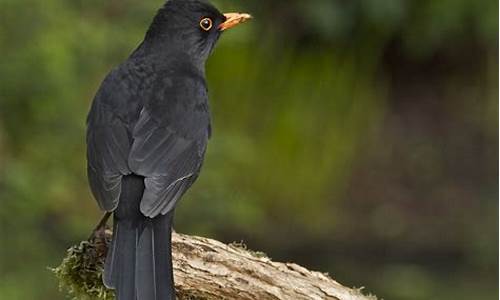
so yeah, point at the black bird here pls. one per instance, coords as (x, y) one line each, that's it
(147, 133)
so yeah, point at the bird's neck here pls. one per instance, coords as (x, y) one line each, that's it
(164, 56)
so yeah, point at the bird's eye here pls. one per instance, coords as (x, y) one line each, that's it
(206, 24)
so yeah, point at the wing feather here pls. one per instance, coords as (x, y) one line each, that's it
(167, 158)
(108, 145)
(165, 143)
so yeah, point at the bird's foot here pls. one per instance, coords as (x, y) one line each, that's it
(100, 229)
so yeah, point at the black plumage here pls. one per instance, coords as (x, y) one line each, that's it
(147, 133)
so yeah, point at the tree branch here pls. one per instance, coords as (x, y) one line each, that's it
(207, 269)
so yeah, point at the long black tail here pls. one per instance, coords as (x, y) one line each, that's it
(139, 261)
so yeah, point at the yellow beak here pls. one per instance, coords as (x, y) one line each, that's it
(233, 19)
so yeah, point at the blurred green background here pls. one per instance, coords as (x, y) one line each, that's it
(357, 138)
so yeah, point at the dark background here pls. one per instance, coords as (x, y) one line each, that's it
(357, 138)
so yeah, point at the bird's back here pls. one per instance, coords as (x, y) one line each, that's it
(147, 133)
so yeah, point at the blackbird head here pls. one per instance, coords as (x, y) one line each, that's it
(190, 27)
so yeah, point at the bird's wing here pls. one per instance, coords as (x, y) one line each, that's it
(108, 146)
(169, 142)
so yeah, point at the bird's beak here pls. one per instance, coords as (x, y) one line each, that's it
(233, 19)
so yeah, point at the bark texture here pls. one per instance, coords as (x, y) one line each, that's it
(208, 269)
(205, 269)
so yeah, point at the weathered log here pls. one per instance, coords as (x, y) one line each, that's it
(208, 269)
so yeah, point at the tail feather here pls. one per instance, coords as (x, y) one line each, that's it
(109, 278)
(139, 263)
(154, 275)
(126, 249)
(145, 267)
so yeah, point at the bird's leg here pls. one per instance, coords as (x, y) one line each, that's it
(101, 226)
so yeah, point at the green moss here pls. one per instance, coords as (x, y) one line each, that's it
(360, 292)
(80, 273)
(241, 245)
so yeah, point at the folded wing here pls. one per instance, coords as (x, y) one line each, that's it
(169, 161)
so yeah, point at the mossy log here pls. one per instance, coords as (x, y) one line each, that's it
(207, 269)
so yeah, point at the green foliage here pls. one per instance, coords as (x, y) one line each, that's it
(338, 126)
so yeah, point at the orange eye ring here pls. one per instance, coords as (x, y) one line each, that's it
(206, 24)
